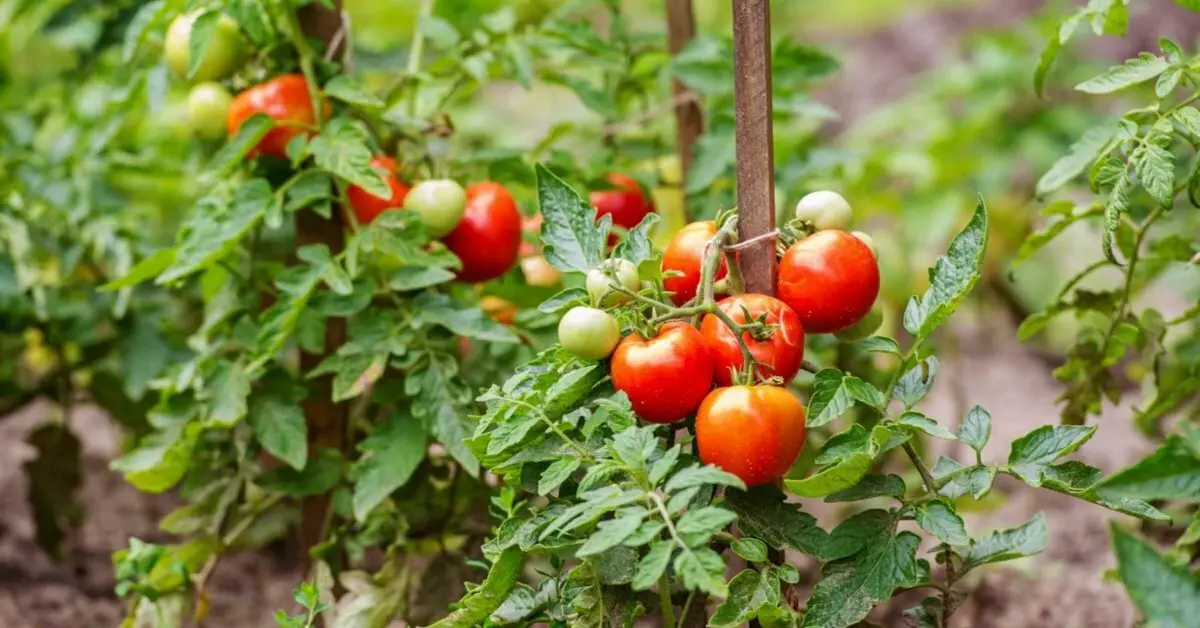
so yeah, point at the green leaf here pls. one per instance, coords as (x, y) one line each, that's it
(160, 460)
(278, 424)
(1026, 539)
(563, 301)
(702, 569)
(434, 308)
(632, 446)
(699, 476)
(441, 33)
(227, 392)
(920, 422)
(1189, 119)
(958, 480)
(610, 534)
(484, 600)
(1118, 204)
(247, 137)
(572, 241)
(749, 549)
(834, 392)
(202, 33)
(851, 587)
(939, 519)
(879, 344)
(348, 90)
(1031, 453)
(764, 514)
(139, 26)
(518, 55)
(1155, 168)
(214, 229)
(916, 382)
(1167, 82)
(664, 465)
(390, 455)
(146, 269)
(1172, 472)
(871, 486)
(1167, 595)
(343, 149)
(652, 565)
(408, 278)
(556, 474)
(975, 430)
(1078, 158)
(952, 278)
(1137, 70)
(840, 476)
(696, 527)
(636, 245)
(321, 474)
(1194, 5)
(749, 591)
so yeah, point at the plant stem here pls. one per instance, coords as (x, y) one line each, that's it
(587, 455)
(1127, 288)
(687, 606)
(664, 594)
(416, 51)
(926, 477)
(296, 34)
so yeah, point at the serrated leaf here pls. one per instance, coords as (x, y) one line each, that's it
(1056, 226)
(1037, 449)
(636, 245)
(952, 277)
(1155, 168)
(879, 344)
(1077, 160)
(764, 514)
(434, 308)
(1167, 595)
(572, 241)
(840, 476)
(1136, 70)
(916, 382)
(408, 278)
(871, 486)
(391, 454)
(343, 150)
(1171, 472)
(702, 569)
(851, 587)
(227, 392)
(749, 549)
(699, 476)
(556, 474)
(940, 520)
(203, 29)
(920, 422)
(214, 229)
(278, 424)
(610, 534)
(147, 269)
(696, 527)
(976, 429)
(652, 565)
(834, 392)
(246, 138)
(664, 465)
(1026, 539)
(476, 607)
(749, 591)
(348, 90)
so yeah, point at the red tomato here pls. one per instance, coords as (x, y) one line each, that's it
(685, 254)
(367, 206)
(627, 204)
(489, 236)
(665, 377)
(286, 99)
(831, 279)
(778, 356)
(753, 432)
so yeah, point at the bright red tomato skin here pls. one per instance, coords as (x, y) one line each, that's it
(367, 206)
(665, 377)
(778, 356)
(284, 98)
(627, 203)
(753, 432)
(489, 236)
(685, 254)
(831, 279)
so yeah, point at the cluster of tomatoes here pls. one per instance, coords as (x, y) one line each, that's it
(749, 425)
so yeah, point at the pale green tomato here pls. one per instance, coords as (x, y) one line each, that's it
(863, 328)
(825, 209)
(223, 54)
(867, 240)
(589, 333)
(207, 105)
(622, 272)
(439, 203)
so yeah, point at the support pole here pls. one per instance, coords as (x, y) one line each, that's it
(326, 420)
(689, 120)
(755, 151)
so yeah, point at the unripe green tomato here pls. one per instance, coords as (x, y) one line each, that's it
(825, 209)
(439, 203)
(207, 105)
(867, 240)
(589, 333)
(620, 271)
(223, 54)
(863, 328)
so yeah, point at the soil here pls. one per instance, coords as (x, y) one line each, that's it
(1061, 588)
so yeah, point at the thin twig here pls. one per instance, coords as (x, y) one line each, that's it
(744, 244)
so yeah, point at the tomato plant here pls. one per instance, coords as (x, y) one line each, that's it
(753, 432)
(831, 279)
(776, 348)
(488, 237)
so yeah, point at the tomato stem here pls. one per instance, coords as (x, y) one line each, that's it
(415, 52)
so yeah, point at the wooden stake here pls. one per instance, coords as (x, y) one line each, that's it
(689, 120)
(755, 151)
(325, 419)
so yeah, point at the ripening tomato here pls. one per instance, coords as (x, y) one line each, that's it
(223, 53)
(620, 272)
(778, 356)
(208, 105)
(665, 377)
(589, 333)
(825, 209)
(284, 98)
(685, 255)
(626, 203)
(488, 237)
(753, 432)
(500, 310)
(530, 225)
(831, 279)
(366, 205)
(538, 272)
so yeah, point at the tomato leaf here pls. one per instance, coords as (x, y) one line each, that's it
(213, 229)
(851, 587)
(1171, 472)
(572, 240)
(1026, 539)
(1166, 594)
(940, 520)
(636, 245)
(484, 600)
(203, 29)
(348, 90)
(391, 454)
(1077, 160)
(1136, 70)
(834, 392)
(343, 149)
(278, 422)
(952, 277)
(975, 430)
(764, 514)
(146, 269)
(247, 137)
